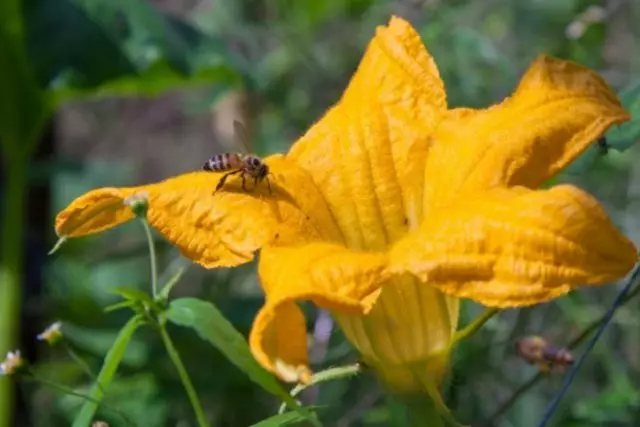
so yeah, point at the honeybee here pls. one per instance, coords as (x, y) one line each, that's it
(239, 163)
(537, 351)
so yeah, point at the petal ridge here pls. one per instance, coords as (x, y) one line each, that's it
(214, 230)
(376, 138)
(331, 276)
(511, 247)
(557, 111)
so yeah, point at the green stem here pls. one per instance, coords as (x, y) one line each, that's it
(331, 374)
(152, 255)
(11, 254)
(473, 327)
(109, 367)
(61, 388)
(184, 376)
(422, 412)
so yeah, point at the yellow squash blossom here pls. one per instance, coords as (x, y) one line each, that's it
(392, 207)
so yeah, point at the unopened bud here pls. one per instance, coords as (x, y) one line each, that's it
(139, 204)
(537, 351)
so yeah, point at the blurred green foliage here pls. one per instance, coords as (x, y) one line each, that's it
(293, 58)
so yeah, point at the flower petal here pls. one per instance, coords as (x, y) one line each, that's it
(331, 276)
(213, 230)
(367, 153)
(516, 247)
(557, 111)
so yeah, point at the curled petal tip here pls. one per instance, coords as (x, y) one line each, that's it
(58, 245)
(292, 374)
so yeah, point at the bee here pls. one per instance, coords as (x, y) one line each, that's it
(239, 163)
(537, 351)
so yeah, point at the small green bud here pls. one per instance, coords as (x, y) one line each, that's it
(139, 204)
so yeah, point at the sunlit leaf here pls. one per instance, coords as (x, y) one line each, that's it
(211, 325)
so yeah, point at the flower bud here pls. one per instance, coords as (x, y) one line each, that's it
(139, 204)
(52, 334)
(12, 363)
(537, 351)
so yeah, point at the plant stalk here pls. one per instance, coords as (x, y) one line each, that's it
(152, 256)
(422, 412)
(184, 376)
(475, 325)
(11, 268)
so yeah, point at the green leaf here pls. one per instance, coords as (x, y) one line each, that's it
(624, 136)
(132, 294)
(166, 289)
(120, 47)
(211, 325)
(109, 368)
(119, 306)
(285, 419)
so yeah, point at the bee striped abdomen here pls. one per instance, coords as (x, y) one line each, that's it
(222, 162)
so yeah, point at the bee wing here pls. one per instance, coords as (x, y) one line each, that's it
(241, 136)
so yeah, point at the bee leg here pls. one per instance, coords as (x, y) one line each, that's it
(224, 179)
(244, 182)
(268, 185)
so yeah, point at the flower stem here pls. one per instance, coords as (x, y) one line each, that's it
(476, 324)
(184, 376)
(152, 256)
(422, 412)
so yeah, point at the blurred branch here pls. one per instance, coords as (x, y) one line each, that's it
(553, 405)
(363, 406)
(600, 322)
(66, 390)
(318, 352)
